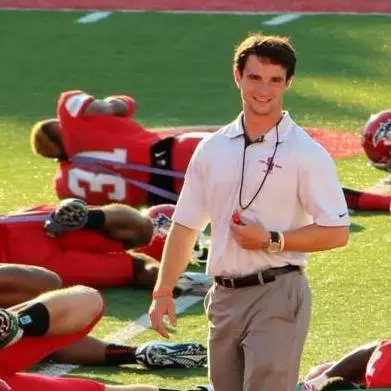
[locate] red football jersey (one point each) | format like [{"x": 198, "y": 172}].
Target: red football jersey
[
  {"x": 378, "y": 372},
  {"x": 106, "y": 137}
]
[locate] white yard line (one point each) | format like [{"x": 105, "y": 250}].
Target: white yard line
[
  {"x": 131, "y": 329},
  {"x": 202, "y": 12},
  {"x": 281, "y": 19},
  {"x": 93, "y": 17}
]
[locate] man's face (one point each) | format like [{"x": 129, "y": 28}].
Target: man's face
[{"x": 262, "y": 86}]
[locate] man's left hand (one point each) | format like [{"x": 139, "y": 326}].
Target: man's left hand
[{"x": 250, "y": 235}]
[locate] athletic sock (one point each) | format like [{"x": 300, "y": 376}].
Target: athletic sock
[
  {"x": 95, "y": 219},
  {"x": 120, "y": 354},
  {"x": 34, "y": 320}
]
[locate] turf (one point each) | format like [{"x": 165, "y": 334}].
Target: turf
[{"x": 178, "y": 68}]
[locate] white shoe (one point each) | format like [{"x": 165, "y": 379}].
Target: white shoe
[
  {"x": 171, "y": 355},
  {"x": 192, "y": 283}
]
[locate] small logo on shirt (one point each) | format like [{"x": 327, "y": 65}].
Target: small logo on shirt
[
  {"x": 159, "y": 155},
  {"x": 161, "y": 158},
  {"x": 267, "y": 162},
  {"x": 342, "y": 215}
]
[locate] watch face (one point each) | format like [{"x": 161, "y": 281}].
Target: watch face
[
  {"x": 274, "y": 247},
  {"x": 274, "y": 243}
]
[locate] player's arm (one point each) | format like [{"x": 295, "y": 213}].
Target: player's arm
[
  {"x": 351, "y": 367},
  {"x": 77, "y": 103},
  {"x": 119, "y": 106}
]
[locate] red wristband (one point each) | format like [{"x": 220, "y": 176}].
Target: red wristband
[{"x": 162, "y": 292}]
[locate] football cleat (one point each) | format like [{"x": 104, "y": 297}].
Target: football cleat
[
  {"x": 171, "y": 355},
  {"x": 10, "y": 332},
  {"x": 71, "y": 214},
  {"x": 192, "y": 283},
  {"x": 202, "y": 388}
]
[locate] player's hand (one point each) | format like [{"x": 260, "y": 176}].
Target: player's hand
[
  {"x": 249, "y": 235},
  {"x": 160, "y": 307},
  {"x": 318, "y": 370}
]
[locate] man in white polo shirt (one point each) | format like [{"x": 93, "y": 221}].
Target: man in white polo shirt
[{"x": 271, "y": 194}]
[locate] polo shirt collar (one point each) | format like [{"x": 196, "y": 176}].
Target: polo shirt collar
[{"x": 235, "y": 129}]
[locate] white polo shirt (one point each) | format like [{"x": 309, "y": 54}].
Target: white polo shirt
[{"x": 302, "y": 188}]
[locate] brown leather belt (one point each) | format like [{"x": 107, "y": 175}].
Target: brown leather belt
[{"x": 260, "y": 278}]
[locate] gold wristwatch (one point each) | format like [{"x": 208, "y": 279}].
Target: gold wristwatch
[{"x": 274, "y": 245}]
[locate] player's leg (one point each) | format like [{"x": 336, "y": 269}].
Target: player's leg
[
  {"x": 119, "y": 222},
  {"x": 128, "y": 225},
  {"x": 59, "y": 312},
  {"x": 19, "y": 283},
  {"x": 92, "y": 351},
  {"x": 37, "y": 382},
  {"x": 361, "y": 200},
  {"x": 109, "y": 269},
  {"x": 49, "y": 322},
  {"x": 145, "y": 271}
]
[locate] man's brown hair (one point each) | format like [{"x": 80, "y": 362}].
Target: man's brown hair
[{"x": 276, "y": 49}]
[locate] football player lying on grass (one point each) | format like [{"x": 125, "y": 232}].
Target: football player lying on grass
[
  {"x": 70, "y": 243},
  {"x": 105, "y": 156},
  {"x": 17, "y": 281},
  {"x": 368, "y": 366},
  {"x": 86, "y": 245},
  {"x": 36, "y": 328}
]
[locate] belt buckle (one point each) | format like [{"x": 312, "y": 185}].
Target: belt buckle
[
  {"x": 260, "y": 278},
  {"x": 228, "y": 282}
]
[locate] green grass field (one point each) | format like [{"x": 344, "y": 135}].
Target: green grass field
[{"x": 178, "y": 67}]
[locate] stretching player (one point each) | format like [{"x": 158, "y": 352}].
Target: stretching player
[
  {"x": 32, "y": 330},
  {"x": 19, "y": 283},
  {"x": 86, "y": 248},
  {"x": 82, "y": 245},
  {"x": 99, "y": 147}
]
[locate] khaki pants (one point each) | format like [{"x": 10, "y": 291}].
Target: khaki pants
[{"x": 256, "y": 334}]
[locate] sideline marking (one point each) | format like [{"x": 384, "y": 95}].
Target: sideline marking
[
  {"x": 131, "y": 329},
  {"x": 202, "y": 12},
  {"x": 281, "y": 19},
  {"x": 94, "y": 17}
]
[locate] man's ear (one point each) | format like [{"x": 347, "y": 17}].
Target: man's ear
[
  {"x": 289, "y": 82},
  {"x": 237, "y": 77}
]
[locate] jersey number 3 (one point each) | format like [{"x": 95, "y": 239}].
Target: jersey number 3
[{"x": 97, "y": 182}]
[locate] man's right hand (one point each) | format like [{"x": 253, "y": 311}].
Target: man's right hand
[{"x": 160, "y": 307}]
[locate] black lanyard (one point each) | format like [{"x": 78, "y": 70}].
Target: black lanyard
[{"x": 247, "y": 142}]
